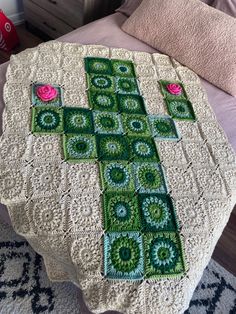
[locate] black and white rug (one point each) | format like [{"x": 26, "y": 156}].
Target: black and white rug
[{"x": 25, "y": 288}]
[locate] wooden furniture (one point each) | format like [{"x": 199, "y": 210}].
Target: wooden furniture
[{"x": 58, "y": 17}]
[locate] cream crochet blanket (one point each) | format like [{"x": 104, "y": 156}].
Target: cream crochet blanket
[{"x": 64, "y": 207}]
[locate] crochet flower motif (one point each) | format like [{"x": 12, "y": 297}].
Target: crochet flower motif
[
  {"x": 46, "y": 92},
  {"x": 174, "y": 89}
]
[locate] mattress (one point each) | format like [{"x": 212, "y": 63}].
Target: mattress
[{"x": 107, "y": 32}]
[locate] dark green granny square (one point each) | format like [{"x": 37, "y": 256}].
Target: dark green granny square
[
  {"x": 143, "y": 148},
  {"x": 78, "y": 120},
  {"x": 136, "y": 124},
  {"x": 100, "y": 83},
  {"x": 47, "y": 120},
  {"x": 180, "y": 109},
  {"x": 123, "y": 68},
  {"x": 103, "y": 101},
  {"x": 131, "y": 104},
  {"x": 98, "y": 65},
  {"x": 126, "y": 86}
]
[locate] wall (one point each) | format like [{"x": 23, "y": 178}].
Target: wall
[{"x": 13, "y": 9}]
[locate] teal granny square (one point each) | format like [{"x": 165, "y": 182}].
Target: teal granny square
[
  {"x": 123, "y": 68},
  {"x": 36, "y": 101},
  {"x": 131, "y": 104},
  {"x": 163, "y": 128},
  {"x": 103, "y": 101},
  {"x": 123, "y": 255},
  {"x": 149, "y": 178},
  {"x": 121, "y": 212},
  {"x": 78, "y": 120},
  {"x": 180, "y": 109},
  {"x": 143, "y": 148},
  {"x": 98, "y": 65},
  {"x": 47, "y": 120},
  {"x": 79, "y": 147},
  {"x": 100, "y": 83},
  {"x": 126, "y": 86},
  {"x": 112, "y": 147},
  {"x": 107, "y": 122},
  {"x": 157, "y": 213}
]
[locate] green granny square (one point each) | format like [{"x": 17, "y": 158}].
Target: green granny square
[
  {"x": 100, "y": 83},
  {"x": 121, "y": 212},
  {"x": 37, "y": 101},
  {"x": 123, "y": 68},
  {"x": 163, "y": 128},
  {"x": 98, "y": 65},
  {"x": 78, "y": 120},
  {"x": 107, "y": 122},
  {"x": 180, "y": 109},
  {"x": 126, "y": 86},
  {"x": 47, "y": 120},
  {"x": 116, "y": 176},
  {"x": 157, "y": 213},
  {"x": 131, "y": 104},
  {"x": 143, "y": 148},
  {"x": 173, "y": 90},
  {"x": 112, "y": 147},
  {"x": 136, "y": 124},
  {"x": 79, "y": 148},
  {"x": 163, "y": 255},
  {"x": 103, "y": 101}
]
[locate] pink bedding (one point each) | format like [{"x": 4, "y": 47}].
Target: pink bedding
[{"x": 107, "y": 32}]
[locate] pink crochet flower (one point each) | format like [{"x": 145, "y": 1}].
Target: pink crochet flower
[
  {"x": 46, "y": 92},
  {"x": 174, "y": 89}
]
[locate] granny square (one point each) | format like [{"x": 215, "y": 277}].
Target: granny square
[
  {"x": 123, "y": 255},
  {"x": 131, "y": 104},
  {"x": 116, "y": 176},
  {"x": 107, "y": 122},
  {"x": 112, "y": 147},
  {"x": 172, "y": 90},
  {"x": 163, "y": 128},
  {"x": 180, "y": 109},
  {"x": 123, "y": 68},
  {"x": 157, "y": 213},
  {"x": 149, "y": 178},
  {"x": 163, "y": 255},
  {"x": 47, "y": 120},
  {"x": 143, "y": 148},
  {"x": 78, "y": 120},
  {"x": 36, "y": 101},
  {"x": 121, "y": 212},
  {"x": 79, "y": 148},
  {"x": 126, "y": 86},
  {"x": 98, "y": 65},
  {"x": 136, "y": 124},
  {"x": 103, "y": 101},
  {"x": 100, "y": 83}
]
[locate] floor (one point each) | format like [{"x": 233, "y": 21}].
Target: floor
[{"x": 225, "y": 251}]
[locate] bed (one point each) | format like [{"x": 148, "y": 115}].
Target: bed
[{"x": 107, "y": 32}]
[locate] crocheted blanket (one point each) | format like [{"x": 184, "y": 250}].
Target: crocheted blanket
[{"x": 116, "y": 171}]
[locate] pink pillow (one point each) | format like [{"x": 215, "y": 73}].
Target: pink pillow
[
  {"x": 193, "y": 33},
  {"x": 129, "y": 6},
  {"x": 227, "y": 6}
]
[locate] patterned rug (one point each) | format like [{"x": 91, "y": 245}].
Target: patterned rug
[{"x": 25, "y": 288}]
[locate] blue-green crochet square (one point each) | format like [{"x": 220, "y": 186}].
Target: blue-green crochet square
[
  {"x": 78, "y": 120},
  {"x": 163, "y": 128},
  {"x": 121, "y": 212},
  {"x": 116, "y": 176},
  {"x": 102, "y": 101},
  {"x": 123, "y": 255},
  {"x": 167, "y": 94},
  {"x": 157, "y": 213},
  {"x": 47, "y": 120},
  {"x": 123, "y": 68},
  {"x": 36, "y": 101},
  {"x": 136, "y": 124},
  {"x": 180, "y": 109},
  {"x": 131, "y": 104},
  {"x": 100, "y": 83},
  {"x": 163, "y": 255},
  {"x": 143, "y": 148},
  {"x": 98, "y": 65},
  {"x": 79, "y": 148},
  {"x": 126, "y": 86},
  {"x": 107, "y": 122},
  {"x": 112, "y": 147},
  {"x": 149, "y": 178}
]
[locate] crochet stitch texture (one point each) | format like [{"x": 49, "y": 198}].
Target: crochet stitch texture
[{"x": 122, "y": 186}]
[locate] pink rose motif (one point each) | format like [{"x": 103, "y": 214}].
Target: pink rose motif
[
  {"x": 46, "y": 92},
  {"x": 174, "y": 89}
]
